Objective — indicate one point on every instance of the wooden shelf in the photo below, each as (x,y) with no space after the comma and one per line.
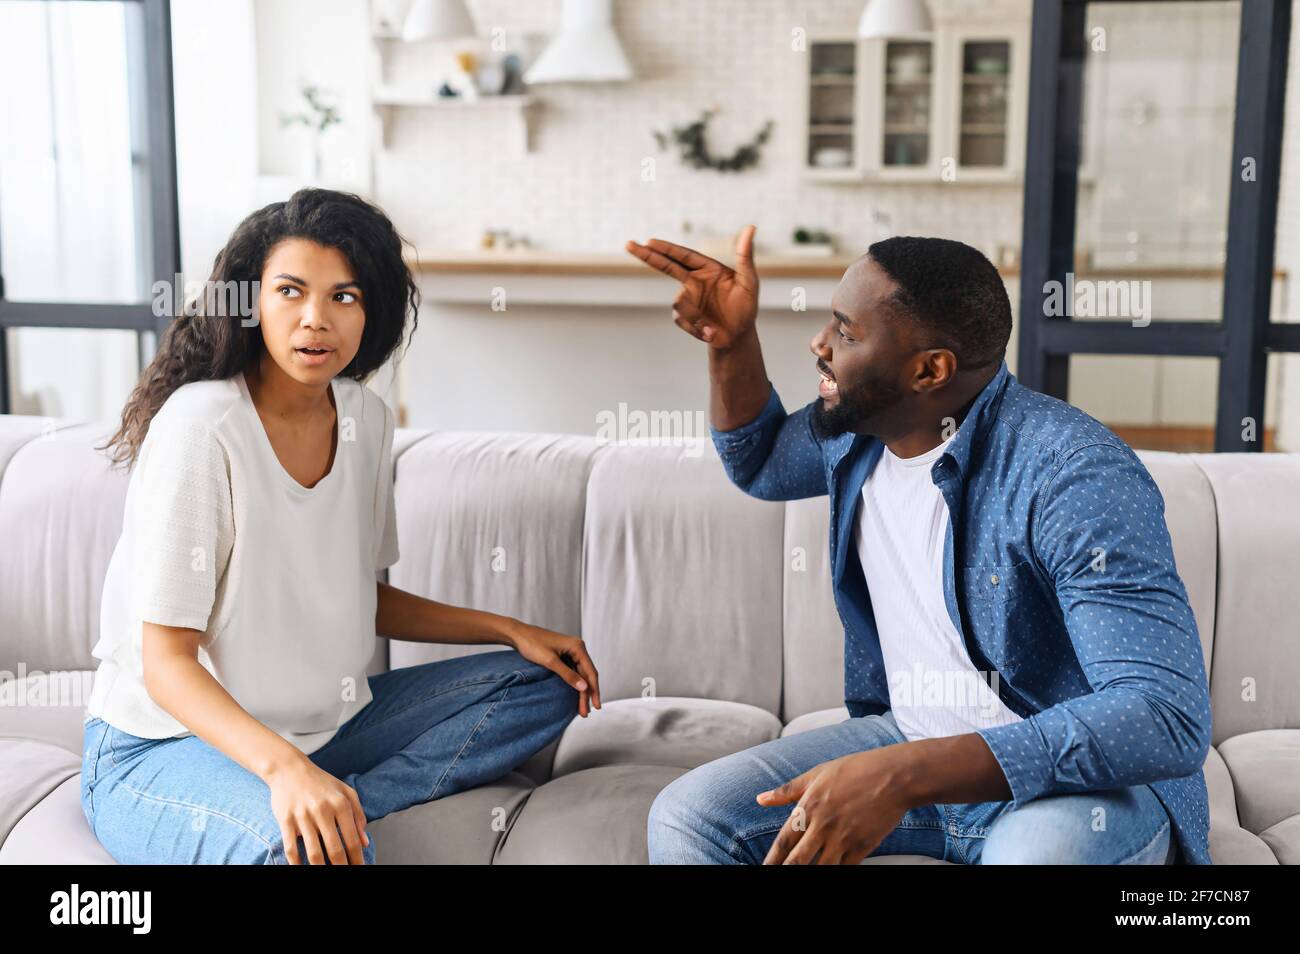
(387,100)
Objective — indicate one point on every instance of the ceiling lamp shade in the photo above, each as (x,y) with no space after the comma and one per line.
(888,18)
(438,20)
(586,50)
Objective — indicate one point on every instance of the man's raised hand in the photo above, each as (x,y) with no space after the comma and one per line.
(716,304)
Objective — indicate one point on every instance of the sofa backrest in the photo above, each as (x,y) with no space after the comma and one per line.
(681,584)
(1256,671)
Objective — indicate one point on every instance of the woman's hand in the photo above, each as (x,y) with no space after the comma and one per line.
(560,654)
(308,801)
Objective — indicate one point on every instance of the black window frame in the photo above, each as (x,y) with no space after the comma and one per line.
(1245,336)
(164,210)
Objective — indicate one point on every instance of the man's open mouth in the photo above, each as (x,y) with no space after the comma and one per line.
(828,386)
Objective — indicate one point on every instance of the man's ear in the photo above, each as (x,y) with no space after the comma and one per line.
(936,369)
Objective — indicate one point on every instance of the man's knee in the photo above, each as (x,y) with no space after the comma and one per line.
(675,821)
(1101,828)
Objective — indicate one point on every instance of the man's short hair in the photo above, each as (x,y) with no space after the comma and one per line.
(952,291)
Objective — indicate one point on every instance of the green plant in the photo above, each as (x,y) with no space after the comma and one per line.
(321,115)
(694,151)
(804,236)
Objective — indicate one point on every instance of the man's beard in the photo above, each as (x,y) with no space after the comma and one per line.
(855,408)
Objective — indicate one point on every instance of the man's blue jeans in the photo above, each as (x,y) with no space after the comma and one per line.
(709,816)
(430,731)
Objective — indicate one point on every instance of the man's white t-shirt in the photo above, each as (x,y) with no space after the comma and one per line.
(934,688)
(280,578)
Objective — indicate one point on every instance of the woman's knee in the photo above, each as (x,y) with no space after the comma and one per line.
(558,699)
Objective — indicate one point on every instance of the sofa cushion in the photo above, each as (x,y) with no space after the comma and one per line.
(666,731)
(460,829)
(491,521)
(47,707)
(1265,770)
(681,578)
(596,816)
(1256,667)
(31,770)
(55,832)
(813,634)
(19,429)
(61,508)
(1230,844)
(815,720)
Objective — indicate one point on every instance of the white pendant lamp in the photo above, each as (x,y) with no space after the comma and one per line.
(889,18)
(438,20)
(586,50)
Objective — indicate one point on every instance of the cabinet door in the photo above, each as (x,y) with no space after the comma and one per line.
(833,144)
(901,115)
(986,104)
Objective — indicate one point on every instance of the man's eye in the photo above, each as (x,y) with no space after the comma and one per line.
(288,288)
(843,336)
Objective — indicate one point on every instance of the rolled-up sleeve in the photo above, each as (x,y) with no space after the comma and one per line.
(1099,533)
(776,456)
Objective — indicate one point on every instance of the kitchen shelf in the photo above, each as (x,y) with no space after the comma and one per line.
(387,101)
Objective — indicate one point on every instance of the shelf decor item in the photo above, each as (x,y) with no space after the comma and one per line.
(694,151)
(319,116)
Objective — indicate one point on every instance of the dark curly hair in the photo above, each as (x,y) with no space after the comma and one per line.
(195,347)
(952,291)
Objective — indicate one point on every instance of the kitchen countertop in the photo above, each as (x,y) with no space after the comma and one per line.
(532,261)
(538,262)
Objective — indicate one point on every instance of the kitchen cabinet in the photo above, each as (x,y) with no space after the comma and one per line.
(946,107)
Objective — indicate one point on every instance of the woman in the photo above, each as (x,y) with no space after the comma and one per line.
(231,719)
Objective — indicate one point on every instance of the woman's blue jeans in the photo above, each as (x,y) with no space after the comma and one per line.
(709,816)
(430,731)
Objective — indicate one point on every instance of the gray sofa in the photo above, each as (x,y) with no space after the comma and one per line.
(626,545)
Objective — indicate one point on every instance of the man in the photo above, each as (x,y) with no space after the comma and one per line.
(1023,673)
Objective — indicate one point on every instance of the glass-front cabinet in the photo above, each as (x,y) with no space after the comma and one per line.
(948,107)
(833,104)
(908,94)
(985,104)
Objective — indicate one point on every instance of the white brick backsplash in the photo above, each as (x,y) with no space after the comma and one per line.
(449,176)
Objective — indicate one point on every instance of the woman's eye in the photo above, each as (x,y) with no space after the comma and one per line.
(346,297)
(287,288)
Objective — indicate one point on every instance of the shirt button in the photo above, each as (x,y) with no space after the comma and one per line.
(994,579)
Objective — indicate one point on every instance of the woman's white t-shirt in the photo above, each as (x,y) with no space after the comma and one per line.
(280,578)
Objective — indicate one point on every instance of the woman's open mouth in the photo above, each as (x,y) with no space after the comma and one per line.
(314,356)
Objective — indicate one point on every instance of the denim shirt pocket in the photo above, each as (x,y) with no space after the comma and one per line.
(994,592)
(997,582)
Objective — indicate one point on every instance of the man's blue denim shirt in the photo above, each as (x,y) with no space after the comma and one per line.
(1064,583)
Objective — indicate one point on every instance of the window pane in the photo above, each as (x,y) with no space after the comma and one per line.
(70,372)
(73,175)
(1154,403)
(1282,400)
(1156,151)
